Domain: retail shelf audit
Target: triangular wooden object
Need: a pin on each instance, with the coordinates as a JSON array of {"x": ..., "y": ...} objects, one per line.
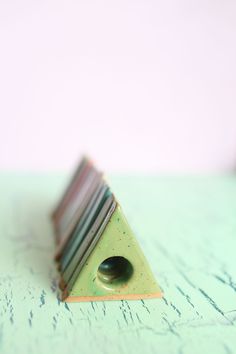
[{"x": 115, "y": 269}]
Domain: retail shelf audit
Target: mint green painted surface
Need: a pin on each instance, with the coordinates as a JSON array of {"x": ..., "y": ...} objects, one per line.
[
  {"x": 187, "y": 230},
  {"x": 116, "y": 240}
]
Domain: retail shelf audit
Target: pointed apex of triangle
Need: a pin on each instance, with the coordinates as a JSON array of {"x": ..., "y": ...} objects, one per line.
[{"x": 116, "y": 268}]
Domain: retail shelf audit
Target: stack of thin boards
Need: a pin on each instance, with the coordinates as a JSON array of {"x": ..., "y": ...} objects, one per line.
[{"x": 91, "y": 263}]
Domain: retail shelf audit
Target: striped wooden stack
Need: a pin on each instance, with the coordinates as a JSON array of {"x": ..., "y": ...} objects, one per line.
[{"x": 98, "y": 256}]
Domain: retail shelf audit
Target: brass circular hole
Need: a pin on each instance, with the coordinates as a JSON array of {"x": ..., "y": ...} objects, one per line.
[{"x": 115, "y": 270}]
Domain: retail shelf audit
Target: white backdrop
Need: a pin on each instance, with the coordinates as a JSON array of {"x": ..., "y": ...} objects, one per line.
[{"x": 139, "y": 85}]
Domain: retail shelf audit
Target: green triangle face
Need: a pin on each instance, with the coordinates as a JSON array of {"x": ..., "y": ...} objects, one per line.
[{"x": 116, "y": 268}]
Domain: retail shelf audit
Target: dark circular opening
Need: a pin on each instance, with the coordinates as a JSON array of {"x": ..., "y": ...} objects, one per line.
[{"x": 115, "y": 270}]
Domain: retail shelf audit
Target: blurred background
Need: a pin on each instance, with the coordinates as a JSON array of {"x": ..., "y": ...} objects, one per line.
[{"x": 141, "y": 86}]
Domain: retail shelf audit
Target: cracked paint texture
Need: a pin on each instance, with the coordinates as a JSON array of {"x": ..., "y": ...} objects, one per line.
[{"x": 187, "y": 230}]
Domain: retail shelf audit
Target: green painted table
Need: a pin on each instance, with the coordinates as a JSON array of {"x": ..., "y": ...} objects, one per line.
[{"x": 187, "y": 229}]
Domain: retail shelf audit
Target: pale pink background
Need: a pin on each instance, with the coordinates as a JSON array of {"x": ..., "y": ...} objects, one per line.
[{"x": 139, "y": 85}]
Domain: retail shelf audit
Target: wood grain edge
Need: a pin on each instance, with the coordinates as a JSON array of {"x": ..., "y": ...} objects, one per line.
[{"x": 112, "y": 297}]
